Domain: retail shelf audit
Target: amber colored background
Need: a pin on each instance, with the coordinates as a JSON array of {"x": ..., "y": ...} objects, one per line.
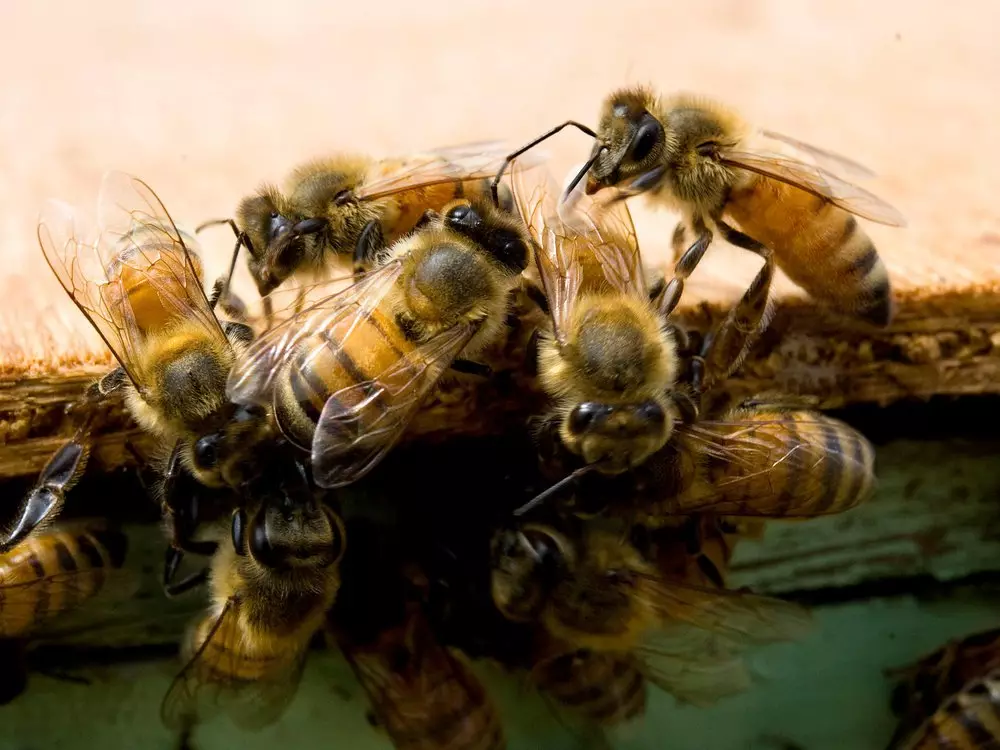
[{"x": 206, "y": 98}]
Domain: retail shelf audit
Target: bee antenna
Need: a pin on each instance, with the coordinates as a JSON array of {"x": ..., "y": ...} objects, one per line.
[
  {"x": 582, "y": 173},
  {"x": 527, "y": 147},
  {"x": 545, "y": 495}
]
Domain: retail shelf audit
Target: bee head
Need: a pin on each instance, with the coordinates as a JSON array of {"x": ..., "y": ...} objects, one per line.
[
  {"x": 276, "y": 239},
  {"x": 630, "y": 142},
  {"x": 527, "y": 563},
  {"x": 290, "y": 529},
  {"x": 616, "y": 437},
  {"x": 497, "y": 231}
]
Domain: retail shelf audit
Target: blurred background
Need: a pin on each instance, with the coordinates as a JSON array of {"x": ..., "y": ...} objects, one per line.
[{"x": 204, "y": 99}]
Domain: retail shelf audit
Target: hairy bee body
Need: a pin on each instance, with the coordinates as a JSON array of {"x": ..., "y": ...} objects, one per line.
[
  {"x": 605, "y": 689},
  {"x": 53, "y": 572},
  {"x": 423, "y": 695},
  {"x": 699, "y": 157},
  {"x": 941, "y": 674},
  {"x": 347, "y": 194},
  {"x": 968, "y": 720},
  {"x": 439, "y": 293}
]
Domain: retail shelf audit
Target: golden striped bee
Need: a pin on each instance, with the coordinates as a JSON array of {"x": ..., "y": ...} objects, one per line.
[
  {"x": 593, "y": 589},
  {"x": 45, "y": 577},
  {"x": 698, "y": 156},
  {"x": 345, "y": 376},
  {"x": 271, "y": 589},
  {"x": 138, "y": 281},
  {"x": 422, "y": 694},
  {"x": 926, "y": 685},
  {"x": 350, "y": 204},
  {"x": 611, "y": 362},
  {"x": 966, "y": 720}
]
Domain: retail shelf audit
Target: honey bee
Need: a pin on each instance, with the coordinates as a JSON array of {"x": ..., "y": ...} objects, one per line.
[
  {"x": 271, "y": 589},
  {"x": 932, "y": 680},
  {"x": 352, "y": 204},
  {"x": 701, "y": 158},
  {"x": 425, "y": 696},
  {"x": 138, "y": 282},
  {"x": 46, "y": 576},
  {"x": 967, "y": 720},
  {"x": 345, "y": 376},
  {"x": 601, "y": 594},
  {"x": 611, "y": 362},
  {"x": 766, "y": 457}
]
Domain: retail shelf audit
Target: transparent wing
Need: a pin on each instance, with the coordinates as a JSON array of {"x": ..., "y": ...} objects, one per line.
[
  {"x": 828, "y": 159},
  {"x": 361, "y": 423},
  {"x": 252, "y": 378},
  {"x": 227, "y": 673},
  {"x": 577, "y": 245},
  {"x": 765, "y": 455},
  {"x": 468, "y": 162},
  {"x": 136, "y": 245},
  {"x": 819, "y": 182},
  {"x": 693, "y": 665},
  {"x": 735, "y": 617}
]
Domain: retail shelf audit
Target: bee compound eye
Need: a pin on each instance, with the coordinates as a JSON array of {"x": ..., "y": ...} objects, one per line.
[
  {"x": 463, "y": 216},
  {"x": 206, "y": 451},
  {"x": 647, "y": 135},
  {"x": 650, "y": 413},
  {"x": 238, "y": 531},
  {"x": 586, "y": 416}
]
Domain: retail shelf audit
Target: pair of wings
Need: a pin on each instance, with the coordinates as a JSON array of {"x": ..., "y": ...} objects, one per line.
[
  {"x": 223, "y": 674},
  {"x": 571, "y": 238},
  {"x": 338, "y": 460},
  {"x": 134, "y": 234},
  {"x": 347, "y": 443},
  {"x": 464, "y": 163},
  {"x": 818, "y": 178}
]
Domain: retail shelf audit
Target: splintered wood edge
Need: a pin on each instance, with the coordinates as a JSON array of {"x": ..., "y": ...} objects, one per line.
[{"x": 939, "y": 343}]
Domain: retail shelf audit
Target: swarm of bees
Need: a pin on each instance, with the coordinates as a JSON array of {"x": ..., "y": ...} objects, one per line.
[{"x": 594, "y": 566}]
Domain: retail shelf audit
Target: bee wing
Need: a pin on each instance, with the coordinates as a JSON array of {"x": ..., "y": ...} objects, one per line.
[
  {"x": 361, "y": 423},
  {"x": 221, "y": 674},
  {"x": 818, "y": 181},
  {"x": 693, "y": 665},
  {"x": 753, "y": 448},
  {"x": 135, "y": 233},
  {"x": 464, "y": 163},
  {"x": 736, "y": 618},
  {"x": 252, "y": 378},
  {"x": 829, "y": 159},
  {"x": 569, "y": 237}
]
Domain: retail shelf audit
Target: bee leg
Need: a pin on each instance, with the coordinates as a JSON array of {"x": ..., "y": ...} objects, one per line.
[
  {"x": 738, "y": 239},
  {"x": 468, "y": 367},
  {"x": 671, "y": 294},
  {"x": 268, "y": 310},
  {"x": 47, "y": 497},
  {"x": 725, "y": 348},
  {"x": 677, "y": 241},
  {"x": 494, "y": 186},
  {"x": 531, "y": 354},
  {"x": 238, "y": 332},
  {"x": 533, "y": 292},
  {"x": 656, "y": 288},
  {"x": 232, "y": 305},
  {"x": 370, "y": 242},
  {"x": 106, "y": 385},
  {"x": 176, "y": 588}
]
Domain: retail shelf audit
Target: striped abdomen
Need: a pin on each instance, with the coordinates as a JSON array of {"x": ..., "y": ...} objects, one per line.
[
  {"x": 605, "y": 688},
  {"x": 968, "y": 720},
  {"x": 231, "y": 656},
  {"x": 429, "y": 700},
  {"x": 324, "y": 368},
  {"x": 761, "y": 462},
  {"x": 403, "y": 210},
  {"x": 820, "y": 246},
  {"x": 54, "y": 572}
]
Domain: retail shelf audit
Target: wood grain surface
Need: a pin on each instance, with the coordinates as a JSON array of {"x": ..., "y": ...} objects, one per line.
[{"x": 206, "y": 99}]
